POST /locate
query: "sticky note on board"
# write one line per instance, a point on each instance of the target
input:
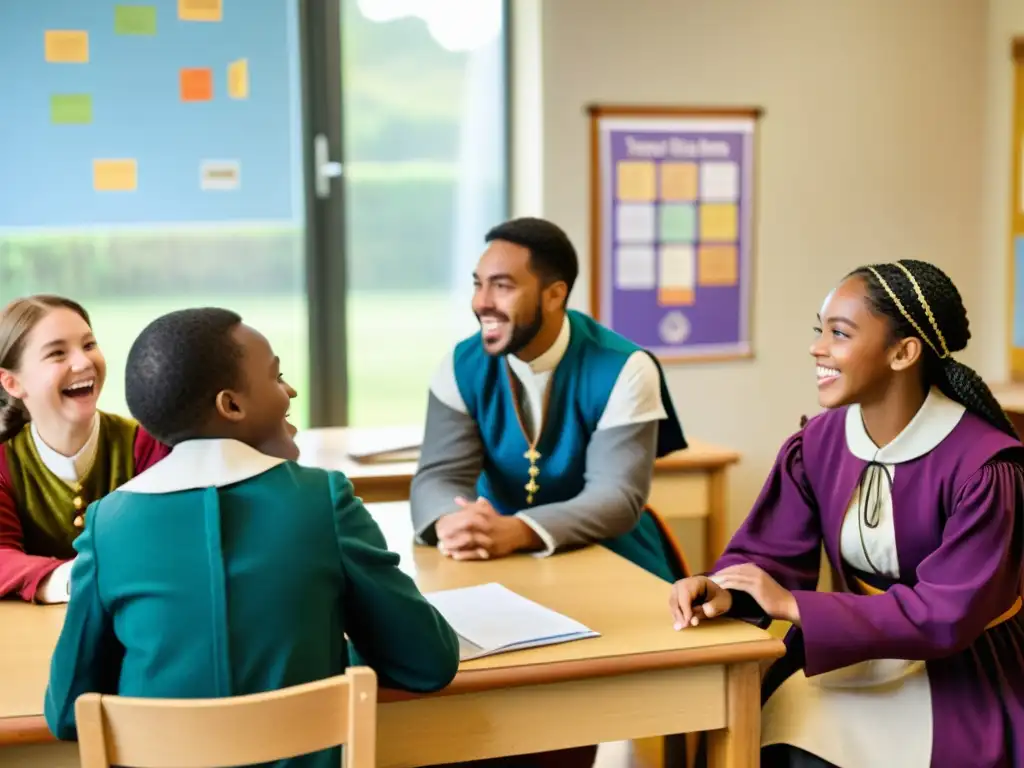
(238, 79)
(66, 46)
(115, 175)
(718, 265)
(197, 84)
(678, 181)
(635, 180)
(719, 222)
(220, 175)
(71, 109)
(134, 19)
(200, 10)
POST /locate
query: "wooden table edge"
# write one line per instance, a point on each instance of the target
(478, 680)
(33, 729)
(685, 461)
(24, 730)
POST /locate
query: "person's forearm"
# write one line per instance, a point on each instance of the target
(449, 466)
(620, 463)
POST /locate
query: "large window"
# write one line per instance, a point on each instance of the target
(423, 103)
(141, 176)
(168, 164)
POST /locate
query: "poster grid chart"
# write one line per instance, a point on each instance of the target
(673, 228)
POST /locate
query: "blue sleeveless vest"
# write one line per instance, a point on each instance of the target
(579, 391)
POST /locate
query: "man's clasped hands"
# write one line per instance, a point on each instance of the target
(476, 531)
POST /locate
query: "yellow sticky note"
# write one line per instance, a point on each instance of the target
(120, 175)
(66, 46)
(238, 79)
(200, 10)
(635, 180)
(719, 222)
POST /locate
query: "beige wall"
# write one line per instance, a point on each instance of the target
(1005, 21)
(871, 149)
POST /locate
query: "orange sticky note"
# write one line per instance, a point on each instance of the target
(200, 10)
(120, 175)
(66, 46)
(197, 84)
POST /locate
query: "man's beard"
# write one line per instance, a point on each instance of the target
(522, 335)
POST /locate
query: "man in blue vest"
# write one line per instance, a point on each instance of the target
(542, 429)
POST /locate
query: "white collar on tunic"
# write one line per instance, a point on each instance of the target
(546, 362)
(937, 417)
(202, 464)
(70, 469)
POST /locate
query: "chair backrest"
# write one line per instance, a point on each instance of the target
(239, 730)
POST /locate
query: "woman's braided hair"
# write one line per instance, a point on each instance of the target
(921, 301)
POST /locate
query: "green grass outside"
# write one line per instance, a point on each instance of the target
(395, 343)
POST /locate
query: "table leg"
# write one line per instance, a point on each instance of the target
(716, 536)
(738, 745)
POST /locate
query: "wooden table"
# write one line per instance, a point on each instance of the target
(689, 484)
(639, 679)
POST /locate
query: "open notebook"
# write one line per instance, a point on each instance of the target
(490, 619)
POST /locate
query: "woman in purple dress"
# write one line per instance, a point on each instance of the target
(912, 480)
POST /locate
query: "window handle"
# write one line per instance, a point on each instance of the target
(324, 169)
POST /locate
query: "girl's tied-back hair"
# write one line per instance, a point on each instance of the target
(920, 300)
(16, 322)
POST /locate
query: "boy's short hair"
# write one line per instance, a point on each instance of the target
(176, 367)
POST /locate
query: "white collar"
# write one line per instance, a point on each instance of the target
(202, 464)
(548, 360)
(70, 469)
(937, 417)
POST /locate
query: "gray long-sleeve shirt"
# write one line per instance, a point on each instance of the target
(619, 461)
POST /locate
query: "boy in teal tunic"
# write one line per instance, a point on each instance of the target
(542, 429)
(227, 568)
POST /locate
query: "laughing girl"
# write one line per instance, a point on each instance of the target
(58, 452)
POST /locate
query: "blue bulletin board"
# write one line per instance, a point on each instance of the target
(159, 112)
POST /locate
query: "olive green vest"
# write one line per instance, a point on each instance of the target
(50, 509)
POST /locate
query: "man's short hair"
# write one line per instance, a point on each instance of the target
(177, 366)
(552, 256)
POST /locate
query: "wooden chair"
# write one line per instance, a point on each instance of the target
(240, 730)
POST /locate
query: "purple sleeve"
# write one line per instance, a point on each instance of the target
(782, 533)
(973, 577)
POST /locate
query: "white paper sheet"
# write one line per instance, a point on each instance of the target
(491, 618)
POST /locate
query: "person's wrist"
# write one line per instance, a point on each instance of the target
(792, 612)
(526, 538)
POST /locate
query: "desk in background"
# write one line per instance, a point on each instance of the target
(639, 679)
(1011, 398)
(688, 485)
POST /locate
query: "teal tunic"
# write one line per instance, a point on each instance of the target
(248, 587)
(580, 387)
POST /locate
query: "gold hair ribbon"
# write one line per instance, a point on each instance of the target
(906, 314)
(927, 309)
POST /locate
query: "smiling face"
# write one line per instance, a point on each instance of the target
(60, 370)
(510, 300)
(260, 408)
(855, 356)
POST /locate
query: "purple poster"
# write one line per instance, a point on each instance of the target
(676, 203)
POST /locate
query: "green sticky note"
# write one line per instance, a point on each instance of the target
(678, 223)
(135, 19)
(71, 108)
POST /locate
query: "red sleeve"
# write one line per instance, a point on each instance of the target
(148, 450)
(19, 573)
